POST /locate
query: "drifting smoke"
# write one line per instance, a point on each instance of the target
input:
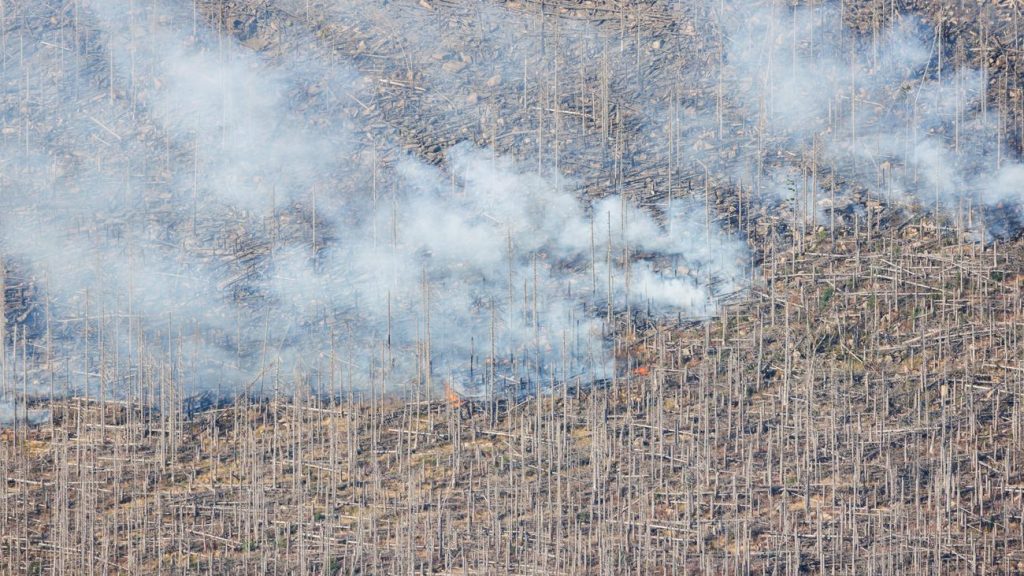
(193, 213)
(889, 111)
(11, 412)
(191, 210)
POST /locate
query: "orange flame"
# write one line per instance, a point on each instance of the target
(641, 371)
(453, 398)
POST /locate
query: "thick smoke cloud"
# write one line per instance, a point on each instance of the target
(895, 112)
(191, 210)
(11, 412)
(889, 111)
(200, 217)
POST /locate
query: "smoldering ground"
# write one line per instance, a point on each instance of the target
(194, 210)
(896, 111)
(198, 217)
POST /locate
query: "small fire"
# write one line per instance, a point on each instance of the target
(641, 371)
(453, 398)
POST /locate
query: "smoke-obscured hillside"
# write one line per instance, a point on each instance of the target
(521, 287)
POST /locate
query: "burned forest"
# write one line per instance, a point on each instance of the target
(580, 287)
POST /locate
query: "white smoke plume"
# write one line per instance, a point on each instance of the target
(189, 209)
(198, 217)
(890, 112)
(11, 412)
